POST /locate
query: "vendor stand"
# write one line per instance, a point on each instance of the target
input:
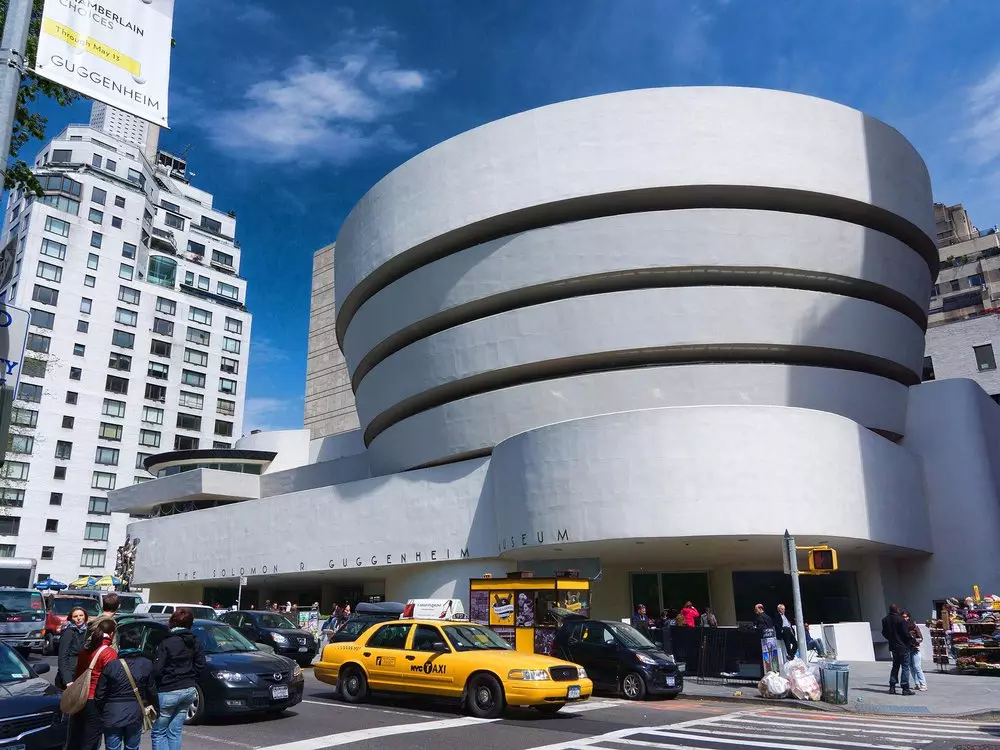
(967, 631)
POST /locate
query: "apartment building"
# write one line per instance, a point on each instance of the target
(139, 338)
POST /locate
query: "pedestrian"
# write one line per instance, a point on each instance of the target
(814, 644)
(916, 670)
(122, 697)
(180, 659)
(71, 643)
(768, 639)
(690, 614)
(639, 619)
(785, 631)
(87, 727)
(109, 608)
(895, 631)
(708, 619)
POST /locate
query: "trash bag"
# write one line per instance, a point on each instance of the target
(803, 680)
(773, 685)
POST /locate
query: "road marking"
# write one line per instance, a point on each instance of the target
(869, 727)
(336, 704)
(748, 739)
(360, 735)
(189, 733)
(716, 732)
(617, 735)
(851, 719)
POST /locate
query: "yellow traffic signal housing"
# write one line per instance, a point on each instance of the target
(823, 560)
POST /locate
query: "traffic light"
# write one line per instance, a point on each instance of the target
(822, 560)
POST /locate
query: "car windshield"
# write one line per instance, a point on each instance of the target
(12, 667)
(274, 621)
(630, 637)
(127, 604)
(62, 606)
(474, 638)
(201, 613)
(218, 638)
(13, 602)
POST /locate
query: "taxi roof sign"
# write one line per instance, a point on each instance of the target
(434, 609)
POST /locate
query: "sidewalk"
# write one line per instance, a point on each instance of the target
(948, 694)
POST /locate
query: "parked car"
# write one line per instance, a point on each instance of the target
(618, 657)
(55, 620)
(22, 619)
(126, 602)
(363, 617)
(275, 630)
(29, 706)
(239, 679)
(200, 611)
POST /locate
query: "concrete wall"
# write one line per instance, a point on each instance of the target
(950, 348)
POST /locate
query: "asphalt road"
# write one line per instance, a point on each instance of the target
(603, 723)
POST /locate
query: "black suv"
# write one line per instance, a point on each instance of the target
(364, 616)
(618, 657)
(275, 630)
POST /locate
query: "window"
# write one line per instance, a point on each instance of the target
(159, 348)
(126, 317)
(64, 450)
(119, 200)
(158, 370)
(955, 286)
(89, 280)
(984, 357)
(93, 558)
(136, 176)
(227, 290)
(225, 429)
(53, 249)
(231, 366)
(163, 327)
(61, 183)
(57, 226)
(928, 373)
(195, 357)
(191, 400)
(206, 223)
(389, 636)
(188, 377)
(116, 223)
(230, 345)
(196, 248)
(52, 525)
(98, 195)
(113, 408)
(93, 261)
(86, 305)
(49, 271)
(96, 238)
(96, 532)
(121, 362)
(128, 250)
(188, 421)
(96, 159)
(189, 278)
(72, 397)
(42, 318)
(150, 438)
(34, 368)
(10, 526)
(61, 155)
(79, 350)
(223, 259)
(129, 295)
(106, 456)
(152, 414)
(162, 271)
(97, 217)
(198, 336)
(234, 326)
(123, 339)
(20, 444)
(200, 316)
(103, 480)
(82, 326)
(45, 295)
(67, 422)
(110, 431)
(16, 470)
(75, 373)
(38, 343)
(62, 203)
(55, 498)
(115, 384)
(173, 221)
(203, 283)
(125, 271)
(99, 506)
(170, 206)
(11, 498)
(166, 306)
(112, 165)
(140, 460)
(33, 393)
(23, 417)
(156, 392)
(48, 553)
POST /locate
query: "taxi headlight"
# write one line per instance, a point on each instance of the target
(528, 674)
(581, 673)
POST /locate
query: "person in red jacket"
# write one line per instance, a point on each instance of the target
(87, 727)
(690, 614)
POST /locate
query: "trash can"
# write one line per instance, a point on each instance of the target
(834, 677)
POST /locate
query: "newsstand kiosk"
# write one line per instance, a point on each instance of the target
(525, 611)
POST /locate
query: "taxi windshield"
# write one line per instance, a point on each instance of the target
(473, 638)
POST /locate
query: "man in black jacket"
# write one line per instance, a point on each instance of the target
(895, 631)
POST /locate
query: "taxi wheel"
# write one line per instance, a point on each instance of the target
(353, 685)
(633, 686)
(485, 699)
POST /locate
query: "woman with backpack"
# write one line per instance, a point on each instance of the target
(180, 658)
(86, 727)
(123, 699)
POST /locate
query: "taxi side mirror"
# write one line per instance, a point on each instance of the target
(440, 647)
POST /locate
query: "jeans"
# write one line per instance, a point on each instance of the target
(814, 645)
(172, 713)
(916, 670)
(900, 659)
(117, 737)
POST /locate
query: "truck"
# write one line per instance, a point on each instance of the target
(22, 610)
(17, 572)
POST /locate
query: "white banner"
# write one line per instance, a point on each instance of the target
(114, 51)
(13, 340)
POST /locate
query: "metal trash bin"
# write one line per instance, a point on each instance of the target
(835, 679)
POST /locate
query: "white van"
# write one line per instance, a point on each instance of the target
(200, 611)
(434, 609)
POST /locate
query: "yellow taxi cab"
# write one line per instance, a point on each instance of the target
(451, 659)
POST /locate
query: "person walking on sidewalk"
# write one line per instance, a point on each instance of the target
(917, 671)
(896, 632)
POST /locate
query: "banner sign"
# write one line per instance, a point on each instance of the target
(13, 341)
(114, 51)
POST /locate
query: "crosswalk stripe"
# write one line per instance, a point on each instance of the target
(908, 721)
(749, 740)
(782, 731)
(360, 735)
(714, 732)
(868, 727)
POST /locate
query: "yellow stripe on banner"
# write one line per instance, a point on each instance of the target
(94, 47)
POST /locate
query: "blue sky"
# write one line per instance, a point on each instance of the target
(294, 109)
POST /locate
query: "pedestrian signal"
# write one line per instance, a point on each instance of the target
(822, 560)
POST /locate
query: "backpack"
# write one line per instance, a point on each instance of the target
(74, 698)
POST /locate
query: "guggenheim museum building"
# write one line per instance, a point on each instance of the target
(637, 336)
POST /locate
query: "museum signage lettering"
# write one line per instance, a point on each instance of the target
(529, 540)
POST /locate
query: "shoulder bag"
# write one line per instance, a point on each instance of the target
(74, 698)
(148, 712)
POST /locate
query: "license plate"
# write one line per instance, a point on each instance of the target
(302, 649)
(671, 681)
(280, 692)
(19, 746)
(573, 693)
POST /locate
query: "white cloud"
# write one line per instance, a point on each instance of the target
(267, 414)
(332, 109)
(982, 134)
(263, 351)
(255, 14)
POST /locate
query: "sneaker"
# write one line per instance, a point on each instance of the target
(922, 687)
(907, 691)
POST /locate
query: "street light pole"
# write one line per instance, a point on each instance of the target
(13, 60)
(793, 566)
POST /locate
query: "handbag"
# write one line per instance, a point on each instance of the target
(148, 712)
(74, 698)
